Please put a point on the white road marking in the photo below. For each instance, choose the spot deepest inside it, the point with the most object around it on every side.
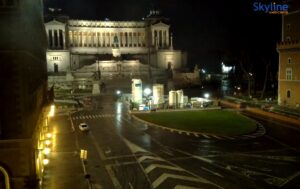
(203, 159)
(283, 144)
(149, 157)
(130, 185)
(167, 152)
(184, 187)
(290, 179)
(196, 135)
(98, 149)
(250, 136)
(165, 176)
(217, 137)
(281, 158)
(134, 148)
(212, 172)
(113, 177)
(205, 136)
(153, 166)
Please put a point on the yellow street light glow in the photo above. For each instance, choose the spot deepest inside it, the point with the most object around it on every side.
(47, 142)
(47, 151)
(52, 111)
(49, 135)
(45, 161)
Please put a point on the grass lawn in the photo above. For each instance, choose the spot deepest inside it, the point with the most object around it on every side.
(218, 122)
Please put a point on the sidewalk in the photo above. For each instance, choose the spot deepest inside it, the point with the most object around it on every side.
(64, 169)
(264, 109)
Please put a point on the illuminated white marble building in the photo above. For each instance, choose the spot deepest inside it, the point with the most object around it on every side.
(75, 43)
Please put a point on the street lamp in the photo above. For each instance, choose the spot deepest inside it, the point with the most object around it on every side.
(206, 95)
(147, 92)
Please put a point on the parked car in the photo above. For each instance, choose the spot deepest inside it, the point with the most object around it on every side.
(83, 127)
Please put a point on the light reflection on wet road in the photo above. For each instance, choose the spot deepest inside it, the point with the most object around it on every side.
(139, 156)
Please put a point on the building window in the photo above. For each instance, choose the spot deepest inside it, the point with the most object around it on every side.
(289, 74)
(288, 94)
(289, 60)
(56, 58)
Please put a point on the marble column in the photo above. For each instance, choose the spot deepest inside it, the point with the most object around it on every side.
(164, 38)
(96, 39)
(58, 38)
(53, 38)
(153, 36)
(64, 39)
(80, 39)
(160, 39)
(75, 38)
(91, 37)
(70, 38)
(119, 39)
(107, 40)
(167, 38)
(103, 39)
(126, 39)
(131, 39)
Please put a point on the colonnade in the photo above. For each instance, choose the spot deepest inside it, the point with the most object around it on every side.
(56, 39)
(160, 38)
(107, 39)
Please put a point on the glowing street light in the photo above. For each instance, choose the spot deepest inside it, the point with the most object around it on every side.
(47, 142)
(52, 111)
(49, 135)
(118, 92)
(206, 95)
(147, 91)
(45, 161)
(46, 151)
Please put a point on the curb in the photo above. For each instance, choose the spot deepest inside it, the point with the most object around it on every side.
(260, 131)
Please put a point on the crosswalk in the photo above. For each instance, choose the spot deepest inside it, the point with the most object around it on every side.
(93, 116)
(162, 173)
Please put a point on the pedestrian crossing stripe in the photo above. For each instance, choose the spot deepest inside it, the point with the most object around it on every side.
(217, 137)
(205, 136)
(95, 116)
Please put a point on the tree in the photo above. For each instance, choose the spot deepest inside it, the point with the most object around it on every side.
(247, 71)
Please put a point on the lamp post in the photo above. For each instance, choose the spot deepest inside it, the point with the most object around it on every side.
(147, 92)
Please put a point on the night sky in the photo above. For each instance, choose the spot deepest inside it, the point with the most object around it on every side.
(210, 31)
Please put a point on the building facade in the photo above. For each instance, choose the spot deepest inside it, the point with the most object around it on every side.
(23, 93)
(289, 58)
(75, 43)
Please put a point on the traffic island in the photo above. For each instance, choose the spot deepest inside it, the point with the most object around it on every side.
(216, 122)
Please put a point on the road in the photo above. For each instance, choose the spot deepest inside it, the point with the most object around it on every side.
(124, 153)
